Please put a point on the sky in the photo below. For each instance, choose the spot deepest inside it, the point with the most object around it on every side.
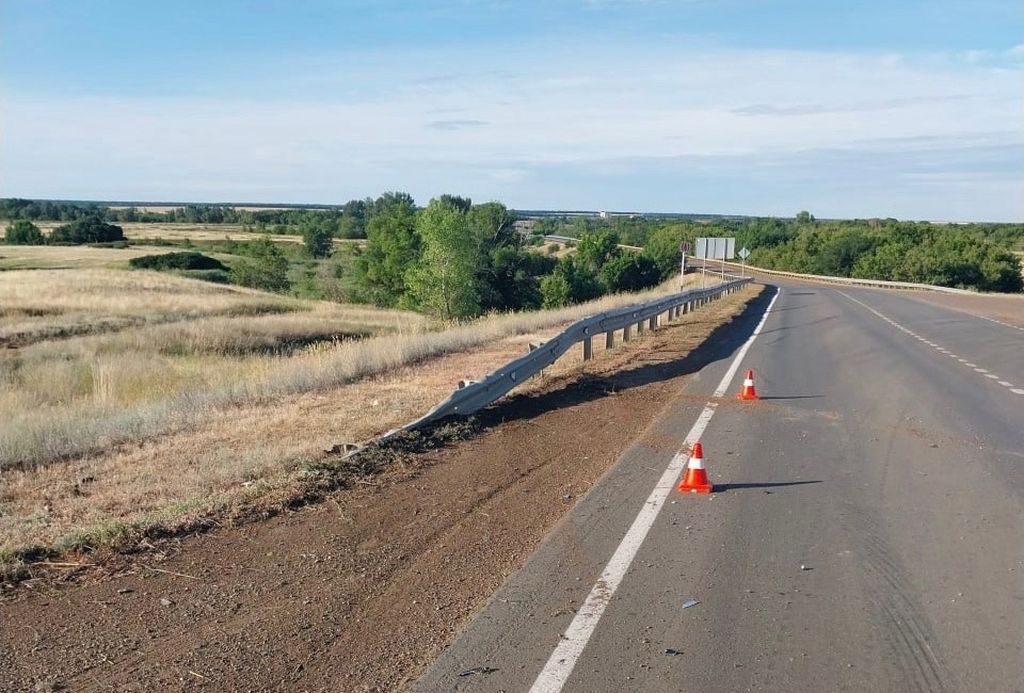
(858, 108)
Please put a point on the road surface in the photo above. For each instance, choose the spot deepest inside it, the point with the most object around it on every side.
(868, 532)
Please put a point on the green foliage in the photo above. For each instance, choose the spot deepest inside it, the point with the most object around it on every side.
(177, 261)
(630, 272)
(897, 251)
(393, 246)
(595, 249)
(804, 217)
(443, 282)
(663, 248)
(318, 239)
(23, 232)
(513, 279)
(266, 267)
(571, 282)
(91, 229)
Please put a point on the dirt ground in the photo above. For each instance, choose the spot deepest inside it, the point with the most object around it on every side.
(361, 591)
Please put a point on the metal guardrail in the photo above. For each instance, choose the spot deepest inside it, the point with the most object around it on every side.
(851, 281)
(475, 395)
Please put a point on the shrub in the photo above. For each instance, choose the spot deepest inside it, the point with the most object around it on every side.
(88, 230)
(177, 261)
(266, 267)
(24, 232)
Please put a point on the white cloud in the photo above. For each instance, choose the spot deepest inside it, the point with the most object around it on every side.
(391, 121)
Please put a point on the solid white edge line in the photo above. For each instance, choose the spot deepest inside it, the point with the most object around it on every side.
(563, 660)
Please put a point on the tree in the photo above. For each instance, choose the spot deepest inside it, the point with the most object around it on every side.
(595, 249)
(91, 229)
(804, 217)
(317, 238)
(266, 267)
(393, 247)
(353, 220)
(24, 232)
(570, 282)
(629, 272)
(443, 282)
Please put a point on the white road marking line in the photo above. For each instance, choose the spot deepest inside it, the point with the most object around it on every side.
(562, 661)
(943, 350)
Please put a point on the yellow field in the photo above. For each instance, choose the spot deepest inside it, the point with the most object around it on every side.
(194, 232)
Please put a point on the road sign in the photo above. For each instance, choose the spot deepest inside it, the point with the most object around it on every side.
(684, 247)
(715, 248)
(744, 253)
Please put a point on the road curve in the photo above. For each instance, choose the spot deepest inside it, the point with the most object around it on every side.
(867, 532)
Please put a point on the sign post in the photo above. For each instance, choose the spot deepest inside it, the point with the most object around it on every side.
(744, 254)
(684, 248)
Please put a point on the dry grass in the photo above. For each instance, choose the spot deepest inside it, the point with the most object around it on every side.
(82, 395)
(28, 257)
(257, 447)
(44, 304)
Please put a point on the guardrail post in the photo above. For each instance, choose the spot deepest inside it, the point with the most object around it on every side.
(588, 349)
(625, 333)
(652, 324)
(609, 339)
(639, 328)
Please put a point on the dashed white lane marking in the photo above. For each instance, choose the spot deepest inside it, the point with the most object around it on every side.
(1000, 322)
(559, 666)
(942, 350)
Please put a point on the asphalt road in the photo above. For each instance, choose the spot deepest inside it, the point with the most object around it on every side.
(868, 532)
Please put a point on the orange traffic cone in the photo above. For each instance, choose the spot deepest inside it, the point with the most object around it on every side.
(696, 478)
(748, 391)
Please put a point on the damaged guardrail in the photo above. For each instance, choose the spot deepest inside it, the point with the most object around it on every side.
(473, 395)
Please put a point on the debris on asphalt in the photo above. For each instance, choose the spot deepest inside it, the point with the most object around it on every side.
(804, 567)
(690, 602)
(477, 670)
(164, 601)
(672, 653)
(125, 590)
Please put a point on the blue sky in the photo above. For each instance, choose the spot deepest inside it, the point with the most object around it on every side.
(906, 109)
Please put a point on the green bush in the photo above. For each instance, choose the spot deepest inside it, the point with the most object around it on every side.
(177, 261)
(265, 268)
(88, 230)
(24, 232)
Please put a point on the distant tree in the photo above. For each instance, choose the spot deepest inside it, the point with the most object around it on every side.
(629, 271)
(24, 232)
(265, 268)
(353, 220)
(318, 239)
(595, 249)
(443, 282)
(804, 217)
(393, 247)
(88, 230)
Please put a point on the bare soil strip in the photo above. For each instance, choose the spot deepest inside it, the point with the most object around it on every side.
(359, 592)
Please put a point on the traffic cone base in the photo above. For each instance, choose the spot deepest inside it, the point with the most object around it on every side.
(696, 478)
(748, 392)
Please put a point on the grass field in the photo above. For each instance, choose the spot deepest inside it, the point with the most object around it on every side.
(135, 399)
(141, 232)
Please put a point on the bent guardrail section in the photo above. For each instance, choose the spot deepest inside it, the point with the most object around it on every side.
(475, 395)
